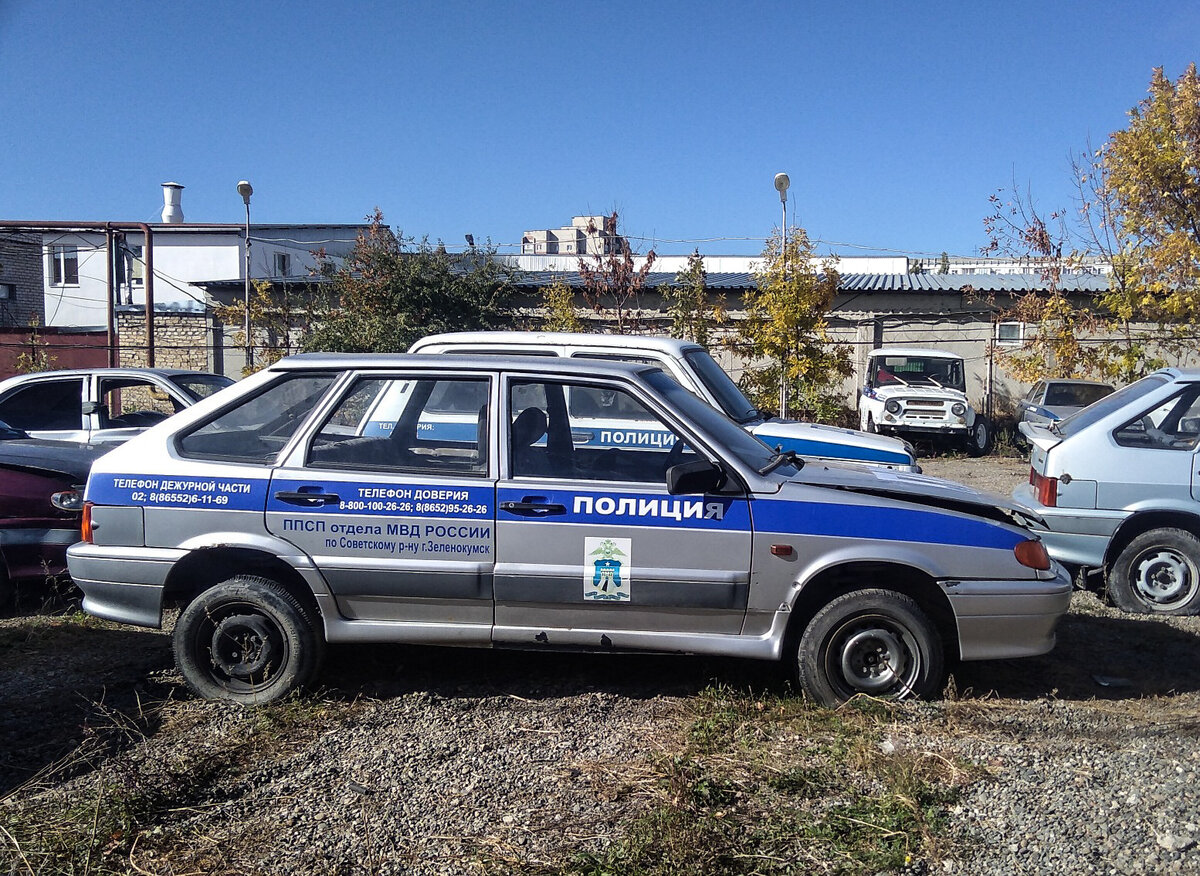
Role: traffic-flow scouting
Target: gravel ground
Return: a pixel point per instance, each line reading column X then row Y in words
column 419, row 760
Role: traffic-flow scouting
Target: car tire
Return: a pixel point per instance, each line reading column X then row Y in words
column 1158, row 573
column 873, row 642
column 871, row 427
column 247, row 640
column 979, row 437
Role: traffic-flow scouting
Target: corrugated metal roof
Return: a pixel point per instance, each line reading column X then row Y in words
column 927, row 283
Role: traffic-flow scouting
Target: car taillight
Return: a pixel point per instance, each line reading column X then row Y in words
column 1045, row 488
column 87, row 522
column 1032, row 553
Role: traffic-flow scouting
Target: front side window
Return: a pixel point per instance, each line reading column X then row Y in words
column 134, row 403
column 64, row 265
column 579, row 431
column 406, row 424
column 257, row 428
column 1171, row 425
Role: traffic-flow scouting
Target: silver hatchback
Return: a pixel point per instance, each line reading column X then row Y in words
column 1118, row 485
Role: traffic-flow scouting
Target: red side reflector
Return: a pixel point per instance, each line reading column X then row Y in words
column 781, row 550
column 1032, row 553
column 87, row 522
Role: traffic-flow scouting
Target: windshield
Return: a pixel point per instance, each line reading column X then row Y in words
column 917, row 371
column 724, row 390
column 1107, row 405
column 198, row 386
column 732, row 437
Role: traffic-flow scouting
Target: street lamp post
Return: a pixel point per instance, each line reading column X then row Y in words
column 781, row 185
column 246, row 190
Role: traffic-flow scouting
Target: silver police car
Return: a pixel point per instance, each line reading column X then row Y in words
column 339, row 498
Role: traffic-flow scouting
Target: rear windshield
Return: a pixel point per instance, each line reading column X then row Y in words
column 1107, row 405
column 1075, row 395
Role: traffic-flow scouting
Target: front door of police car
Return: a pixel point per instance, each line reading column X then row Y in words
column 591, row 548
column 392, row 499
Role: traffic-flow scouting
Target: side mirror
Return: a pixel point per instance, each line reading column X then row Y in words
column 92, row 407
column 697, row 476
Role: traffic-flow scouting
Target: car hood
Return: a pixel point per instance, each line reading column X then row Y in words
column 814, row 439
column 63, row 457
column 915, row 391
column 917, row 488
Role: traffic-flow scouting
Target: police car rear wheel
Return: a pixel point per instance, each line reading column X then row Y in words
column 247, row 640
column 873, row 642
column 1158, row 573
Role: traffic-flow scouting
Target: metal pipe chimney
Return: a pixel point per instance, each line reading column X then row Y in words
column 172, row 212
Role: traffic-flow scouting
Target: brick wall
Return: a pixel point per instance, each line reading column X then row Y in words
column 21, row 268
column 181, row 340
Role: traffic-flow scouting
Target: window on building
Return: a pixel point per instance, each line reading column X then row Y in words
column 283, row 264
column 1010, row 334
column 64, row 266
column 137, row 270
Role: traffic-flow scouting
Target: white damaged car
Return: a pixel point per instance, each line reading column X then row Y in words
column 698, row 372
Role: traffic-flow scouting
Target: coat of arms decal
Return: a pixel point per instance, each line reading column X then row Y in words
column 607, row 569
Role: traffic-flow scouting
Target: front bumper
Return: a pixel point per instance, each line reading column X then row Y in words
column 1002, row 619
column 924, row 428
column 119, row 587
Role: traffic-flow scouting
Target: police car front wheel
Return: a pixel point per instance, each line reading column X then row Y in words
column 874, row 642
column 247, row 640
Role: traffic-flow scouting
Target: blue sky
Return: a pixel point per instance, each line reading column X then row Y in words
column 895, row 121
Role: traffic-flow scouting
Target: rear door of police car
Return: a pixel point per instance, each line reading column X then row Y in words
column 399, row 517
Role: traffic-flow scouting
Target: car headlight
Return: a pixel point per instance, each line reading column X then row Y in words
column 959, row 409
column 892, row 407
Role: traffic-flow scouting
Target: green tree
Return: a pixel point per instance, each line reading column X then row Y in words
column 1055, row 346
column 559, row 299
column 38, row 357
column 692, row 317
column 280, row 320
column 785, row 331
column 392, row 290
column 1151, row 172
column 612, row 286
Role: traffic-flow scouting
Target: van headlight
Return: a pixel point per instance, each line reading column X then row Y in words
column 959, row 409
column 892, row 407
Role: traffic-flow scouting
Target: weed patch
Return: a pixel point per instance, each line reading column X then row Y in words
column 773, row 785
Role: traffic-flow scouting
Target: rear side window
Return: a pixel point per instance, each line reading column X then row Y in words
column 403, row 424
column 258, row 427
column 45, row 404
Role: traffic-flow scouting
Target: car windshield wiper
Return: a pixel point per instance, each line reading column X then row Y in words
column 782, row 457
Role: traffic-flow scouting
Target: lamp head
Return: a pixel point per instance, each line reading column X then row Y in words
column 245, row 190
column 781, row 185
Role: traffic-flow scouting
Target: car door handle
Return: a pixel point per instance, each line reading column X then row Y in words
column 533, row 509
column 310, row 500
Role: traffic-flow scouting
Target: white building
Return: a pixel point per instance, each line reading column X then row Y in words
column 77, row 274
